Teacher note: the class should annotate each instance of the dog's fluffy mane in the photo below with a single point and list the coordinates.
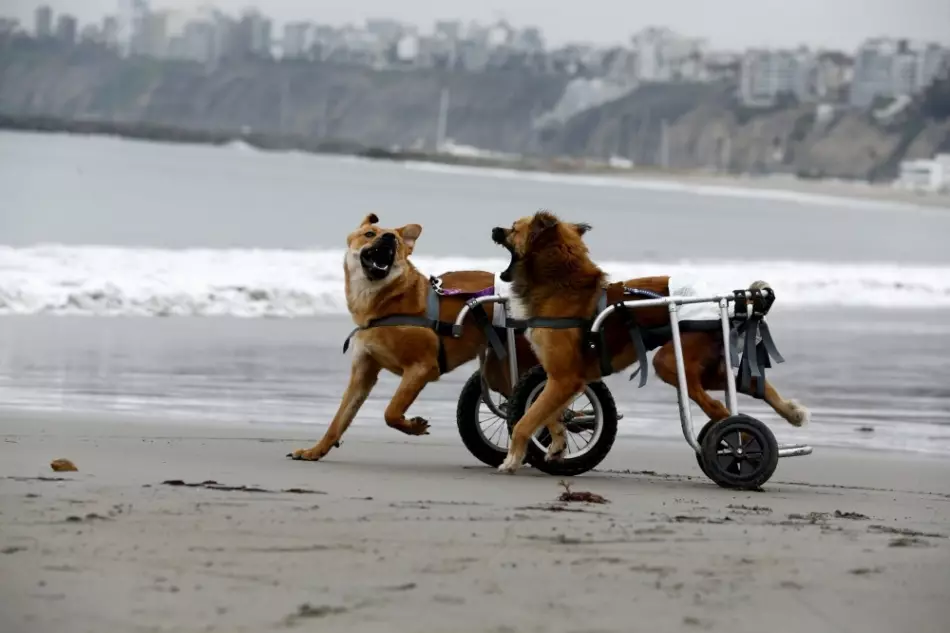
(556, 265)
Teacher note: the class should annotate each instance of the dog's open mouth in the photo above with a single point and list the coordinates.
(498, 236)
(377, 260)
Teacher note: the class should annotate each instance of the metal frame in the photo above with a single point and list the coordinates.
(686, 417)
(672, 304)
(513, 372)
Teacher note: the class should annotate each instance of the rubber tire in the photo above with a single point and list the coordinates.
(699, 439)
(466, 417)
(567, 467)
(710, 448)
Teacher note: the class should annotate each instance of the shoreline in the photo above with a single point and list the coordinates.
(560, 166)
(411, 534)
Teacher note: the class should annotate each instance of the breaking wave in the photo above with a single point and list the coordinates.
(95, 280)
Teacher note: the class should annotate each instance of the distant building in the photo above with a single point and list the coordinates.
(448, 29)
(130, 23)
(151, 35)
(110, 32)
(723, 66)
(664, 56)
(251, 36)
(835, 74)
(298, 40)
(90, 34)
(889, 68)
(932, 61)
(407, 50)
(528, 40)
(766, 76)
(8, 26)
(926, 175)
(43, 22)
(387, 31)
(66, 27)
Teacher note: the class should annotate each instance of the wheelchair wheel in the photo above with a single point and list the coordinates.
(590, 428)
(740, 452)
(482, 421)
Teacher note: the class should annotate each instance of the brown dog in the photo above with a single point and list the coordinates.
(381, 282)
(553, 277)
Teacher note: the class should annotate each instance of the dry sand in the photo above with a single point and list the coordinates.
(410, 534)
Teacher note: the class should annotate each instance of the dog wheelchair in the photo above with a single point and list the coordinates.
(738, 452)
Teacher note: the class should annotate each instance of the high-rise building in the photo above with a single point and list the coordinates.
(889, 68)
(43, 22)
(110, 32)
(130, 23)
(66, 28)
(298, 40)
(767, 75)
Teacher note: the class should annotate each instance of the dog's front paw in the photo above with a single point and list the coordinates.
(510, 465)
(556, 448)
(418, 426)
(554, 454)
(306, 455)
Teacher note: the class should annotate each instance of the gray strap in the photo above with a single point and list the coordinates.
(395, 319)
(432, 304)
(641, 355)
(346, 343)
(769, 343)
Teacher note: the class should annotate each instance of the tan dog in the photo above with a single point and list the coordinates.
(553, 277)
(381, 282)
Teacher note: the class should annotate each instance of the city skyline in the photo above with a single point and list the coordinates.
(766, 23)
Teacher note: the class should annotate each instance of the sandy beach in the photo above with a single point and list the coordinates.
(412, 534)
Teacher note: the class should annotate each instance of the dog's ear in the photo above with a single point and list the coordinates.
(542, 221)
(370, 219)
(409, 234)
(582, 228)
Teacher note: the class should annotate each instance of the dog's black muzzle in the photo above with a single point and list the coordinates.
(377, 259)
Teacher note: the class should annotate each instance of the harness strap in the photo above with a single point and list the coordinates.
(431, 321)
(636, 334)
(756, 357)
(604, 356)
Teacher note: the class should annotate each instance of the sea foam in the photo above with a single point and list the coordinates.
(97, 280)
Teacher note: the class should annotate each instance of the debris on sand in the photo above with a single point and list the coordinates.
(306, 611)
(63, 465)
(854, 516)
(885, 529)
(865, 571)
(213, 485)
(908, 541)
(585, 497)
(744, 509)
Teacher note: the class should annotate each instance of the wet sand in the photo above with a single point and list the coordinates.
(412, 534)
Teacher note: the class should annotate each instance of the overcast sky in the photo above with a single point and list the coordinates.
(726, 23)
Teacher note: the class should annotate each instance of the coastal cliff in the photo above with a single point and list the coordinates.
(672, 126)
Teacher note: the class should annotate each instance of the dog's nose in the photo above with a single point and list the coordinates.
(387, 238)
(498, 234)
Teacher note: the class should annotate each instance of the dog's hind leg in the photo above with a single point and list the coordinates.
(790, 410)
(696, 360)
(558, 433)
(363, 375)
(414, 379)
(552, 400)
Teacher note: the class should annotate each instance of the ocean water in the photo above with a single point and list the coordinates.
(100, 237)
